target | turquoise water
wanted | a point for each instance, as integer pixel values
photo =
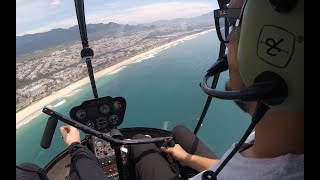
(162, 90)
(180, 33)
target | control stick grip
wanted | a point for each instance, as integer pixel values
(115, 133)
(48, 132)
(171, 143)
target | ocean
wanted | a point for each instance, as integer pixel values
(161, 90)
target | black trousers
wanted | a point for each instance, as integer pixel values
(150, 163)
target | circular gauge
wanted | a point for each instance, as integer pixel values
(102, 122)
(81, 113)
(90, 124)
(99, 143)
(117, 105)
(104, 108)
(113, 120)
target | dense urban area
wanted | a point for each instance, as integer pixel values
(44, 73)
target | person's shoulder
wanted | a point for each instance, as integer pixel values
(294, 165)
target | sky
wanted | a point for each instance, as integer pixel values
(34, 16)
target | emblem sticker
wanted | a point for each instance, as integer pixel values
(275, 46)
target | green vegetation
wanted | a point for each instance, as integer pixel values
(22, 83)
(35, 55)
(42, 53)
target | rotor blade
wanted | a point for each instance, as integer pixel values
(79, 4)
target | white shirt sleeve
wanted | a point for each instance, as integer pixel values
(285, 167)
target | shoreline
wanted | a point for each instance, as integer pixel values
(25, 115)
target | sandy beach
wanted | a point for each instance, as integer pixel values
(35, 108)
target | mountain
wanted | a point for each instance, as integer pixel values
(203, 19)
(32, 42)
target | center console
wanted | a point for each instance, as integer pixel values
(107, 158)
(103, 114)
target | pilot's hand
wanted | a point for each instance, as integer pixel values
(178, 153)
(70, 134)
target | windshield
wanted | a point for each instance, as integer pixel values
(156, 64)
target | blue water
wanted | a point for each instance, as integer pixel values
(163, 89)
(180, 33)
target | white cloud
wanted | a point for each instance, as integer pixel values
(28, 13)
(55, 2)
(135, 15)
(28, 10)
(66, 23)
(152, 12)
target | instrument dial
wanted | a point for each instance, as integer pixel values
(102, 122)
(81, 114)
(90, 124)
(113, 120)
(99, 143)
(104, 108)
(117, 105)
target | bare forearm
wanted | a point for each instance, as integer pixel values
(200, 163)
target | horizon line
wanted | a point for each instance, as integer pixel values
(65, 28)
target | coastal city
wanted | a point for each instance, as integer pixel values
(44, 74)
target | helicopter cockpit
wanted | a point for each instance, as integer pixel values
(101, 119)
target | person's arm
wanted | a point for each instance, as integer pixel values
(200, 163)
(82, 160)
(193, 161)
(85, 163)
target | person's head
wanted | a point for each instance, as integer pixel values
(235, 82)
(268, 37)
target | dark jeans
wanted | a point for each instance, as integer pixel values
(151, 165)
(29, 171)
(148, 160)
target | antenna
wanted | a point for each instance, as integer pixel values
(86, 52)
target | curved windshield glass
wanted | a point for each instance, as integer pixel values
(153, 54)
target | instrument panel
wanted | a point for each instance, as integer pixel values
(106, 156)
(100, 113)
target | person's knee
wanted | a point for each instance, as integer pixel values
(138, 151)
(37, 173)
(139, 136)
(140, 147)
(179, 129)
